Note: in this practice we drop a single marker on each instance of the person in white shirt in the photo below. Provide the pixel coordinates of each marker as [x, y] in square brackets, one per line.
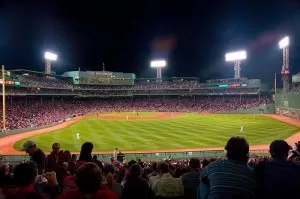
[78, 135]
[115, 154]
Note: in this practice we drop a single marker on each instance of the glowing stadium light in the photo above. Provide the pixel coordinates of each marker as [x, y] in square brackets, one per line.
[236, 56]
[285, 71]
[50, 56]
[285, 42]
[158, 63]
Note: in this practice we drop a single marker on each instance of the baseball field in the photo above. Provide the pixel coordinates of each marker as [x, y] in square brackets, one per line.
[161, 131]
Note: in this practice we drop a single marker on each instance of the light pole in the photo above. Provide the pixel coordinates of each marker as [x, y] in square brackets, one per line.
[48, 58]
[158, 64]
[285, 71]
[236, 58]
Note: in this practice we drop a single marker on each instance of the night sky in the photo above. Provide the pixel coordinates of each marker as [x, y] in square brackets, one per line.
[192, 34]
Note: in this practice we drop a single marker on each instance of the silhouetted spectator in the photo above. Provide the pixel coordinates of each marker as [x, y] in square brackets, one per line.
[231, 178]
[86, 152]
[25, 178]
[5, 176]
[135, 186]
[278, 178]
[191, 180]
[88, 181]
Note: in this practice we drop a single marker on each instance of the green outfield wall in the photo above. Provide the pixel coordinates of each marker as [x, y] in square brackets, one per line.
[267, 109]
[15, 159]
[288, 104]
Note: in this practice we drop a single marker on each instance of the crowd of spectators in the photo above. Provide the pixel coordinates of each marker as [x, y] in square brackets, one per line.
[295, 88]
[41, 81]
[11, 90]
[25, 112]
[61, 175]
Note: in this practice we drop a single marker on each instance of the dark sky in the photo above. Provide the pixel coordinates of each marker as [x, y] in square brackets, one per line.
[192, 34]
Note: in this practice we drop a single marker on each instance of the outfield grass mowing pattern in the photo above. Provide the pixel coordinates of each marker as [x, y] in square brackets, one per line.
[188, 131]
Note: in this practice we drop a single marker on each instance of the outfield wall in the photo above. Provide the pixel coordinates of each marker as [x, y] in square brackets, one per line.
[15, 159]
[288, 105]
[267, 109]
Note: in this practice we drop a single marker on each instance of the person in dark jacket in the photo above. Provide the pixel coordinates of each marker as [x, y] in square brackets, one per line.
[135, 186]
[36, 155]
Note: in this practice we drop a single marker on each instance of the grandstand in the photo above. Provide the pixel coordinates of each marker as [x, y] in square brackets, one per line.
[287, 104]
[29, 89]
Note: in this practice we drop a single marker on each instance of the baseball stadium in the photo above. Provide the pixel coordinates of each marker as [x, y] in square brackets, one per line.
[149, 118]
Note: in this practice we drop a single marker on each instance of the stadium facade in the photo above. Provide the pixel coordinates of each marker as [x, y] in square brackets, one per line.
[118, 84]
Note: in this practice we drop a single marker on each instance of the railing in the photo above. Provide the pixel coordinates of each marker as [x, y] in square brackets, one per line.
[15, 159]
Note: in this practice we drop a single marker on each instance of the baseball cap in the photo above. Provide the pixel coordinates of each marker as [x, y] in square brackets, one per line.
[28, 144]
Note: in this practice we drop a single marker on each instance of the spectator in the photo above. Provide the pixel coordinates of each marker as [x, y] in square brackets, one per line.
[85, 152]
[278, 178]
[88, 181]
[191, 180]
[36, 155]
[55, 161]
[135, 186]
[154, 170]
[231, 178]
[97, 162]
[164, 185]
[5, 176]
[25, 177]
[205, 163]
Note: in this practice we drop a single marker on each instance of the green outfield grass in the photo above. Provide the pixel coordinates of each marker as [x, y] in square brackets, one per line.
[187, 131]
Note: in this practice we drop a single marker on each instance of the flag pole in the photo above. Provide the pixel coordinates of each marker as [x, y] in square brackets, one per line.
[3, 99]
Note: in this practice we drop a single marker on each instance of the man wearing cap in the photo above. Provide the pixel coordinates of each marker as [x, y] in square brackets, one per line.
[36, 155]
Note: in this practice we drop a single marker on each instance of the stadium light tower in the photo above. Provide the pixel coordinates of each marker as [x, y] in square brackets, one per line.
[236, 58]
[158, 64]
[285, 71]
[49, 57]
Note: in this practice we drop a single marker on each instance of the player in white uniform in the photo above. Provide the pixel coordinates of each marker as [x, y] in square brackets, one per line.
[242, 129]
[115, 154]
[78, 135]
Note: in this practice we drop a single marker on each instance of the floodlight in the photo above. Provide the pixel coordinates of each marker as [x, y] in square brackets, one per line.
[236, 56]
[50, 56]
[284, 42]
[158, 63]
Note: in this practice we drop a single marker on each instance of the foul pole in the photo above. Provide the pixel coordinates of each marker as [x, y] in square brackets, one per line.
[3, 99]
